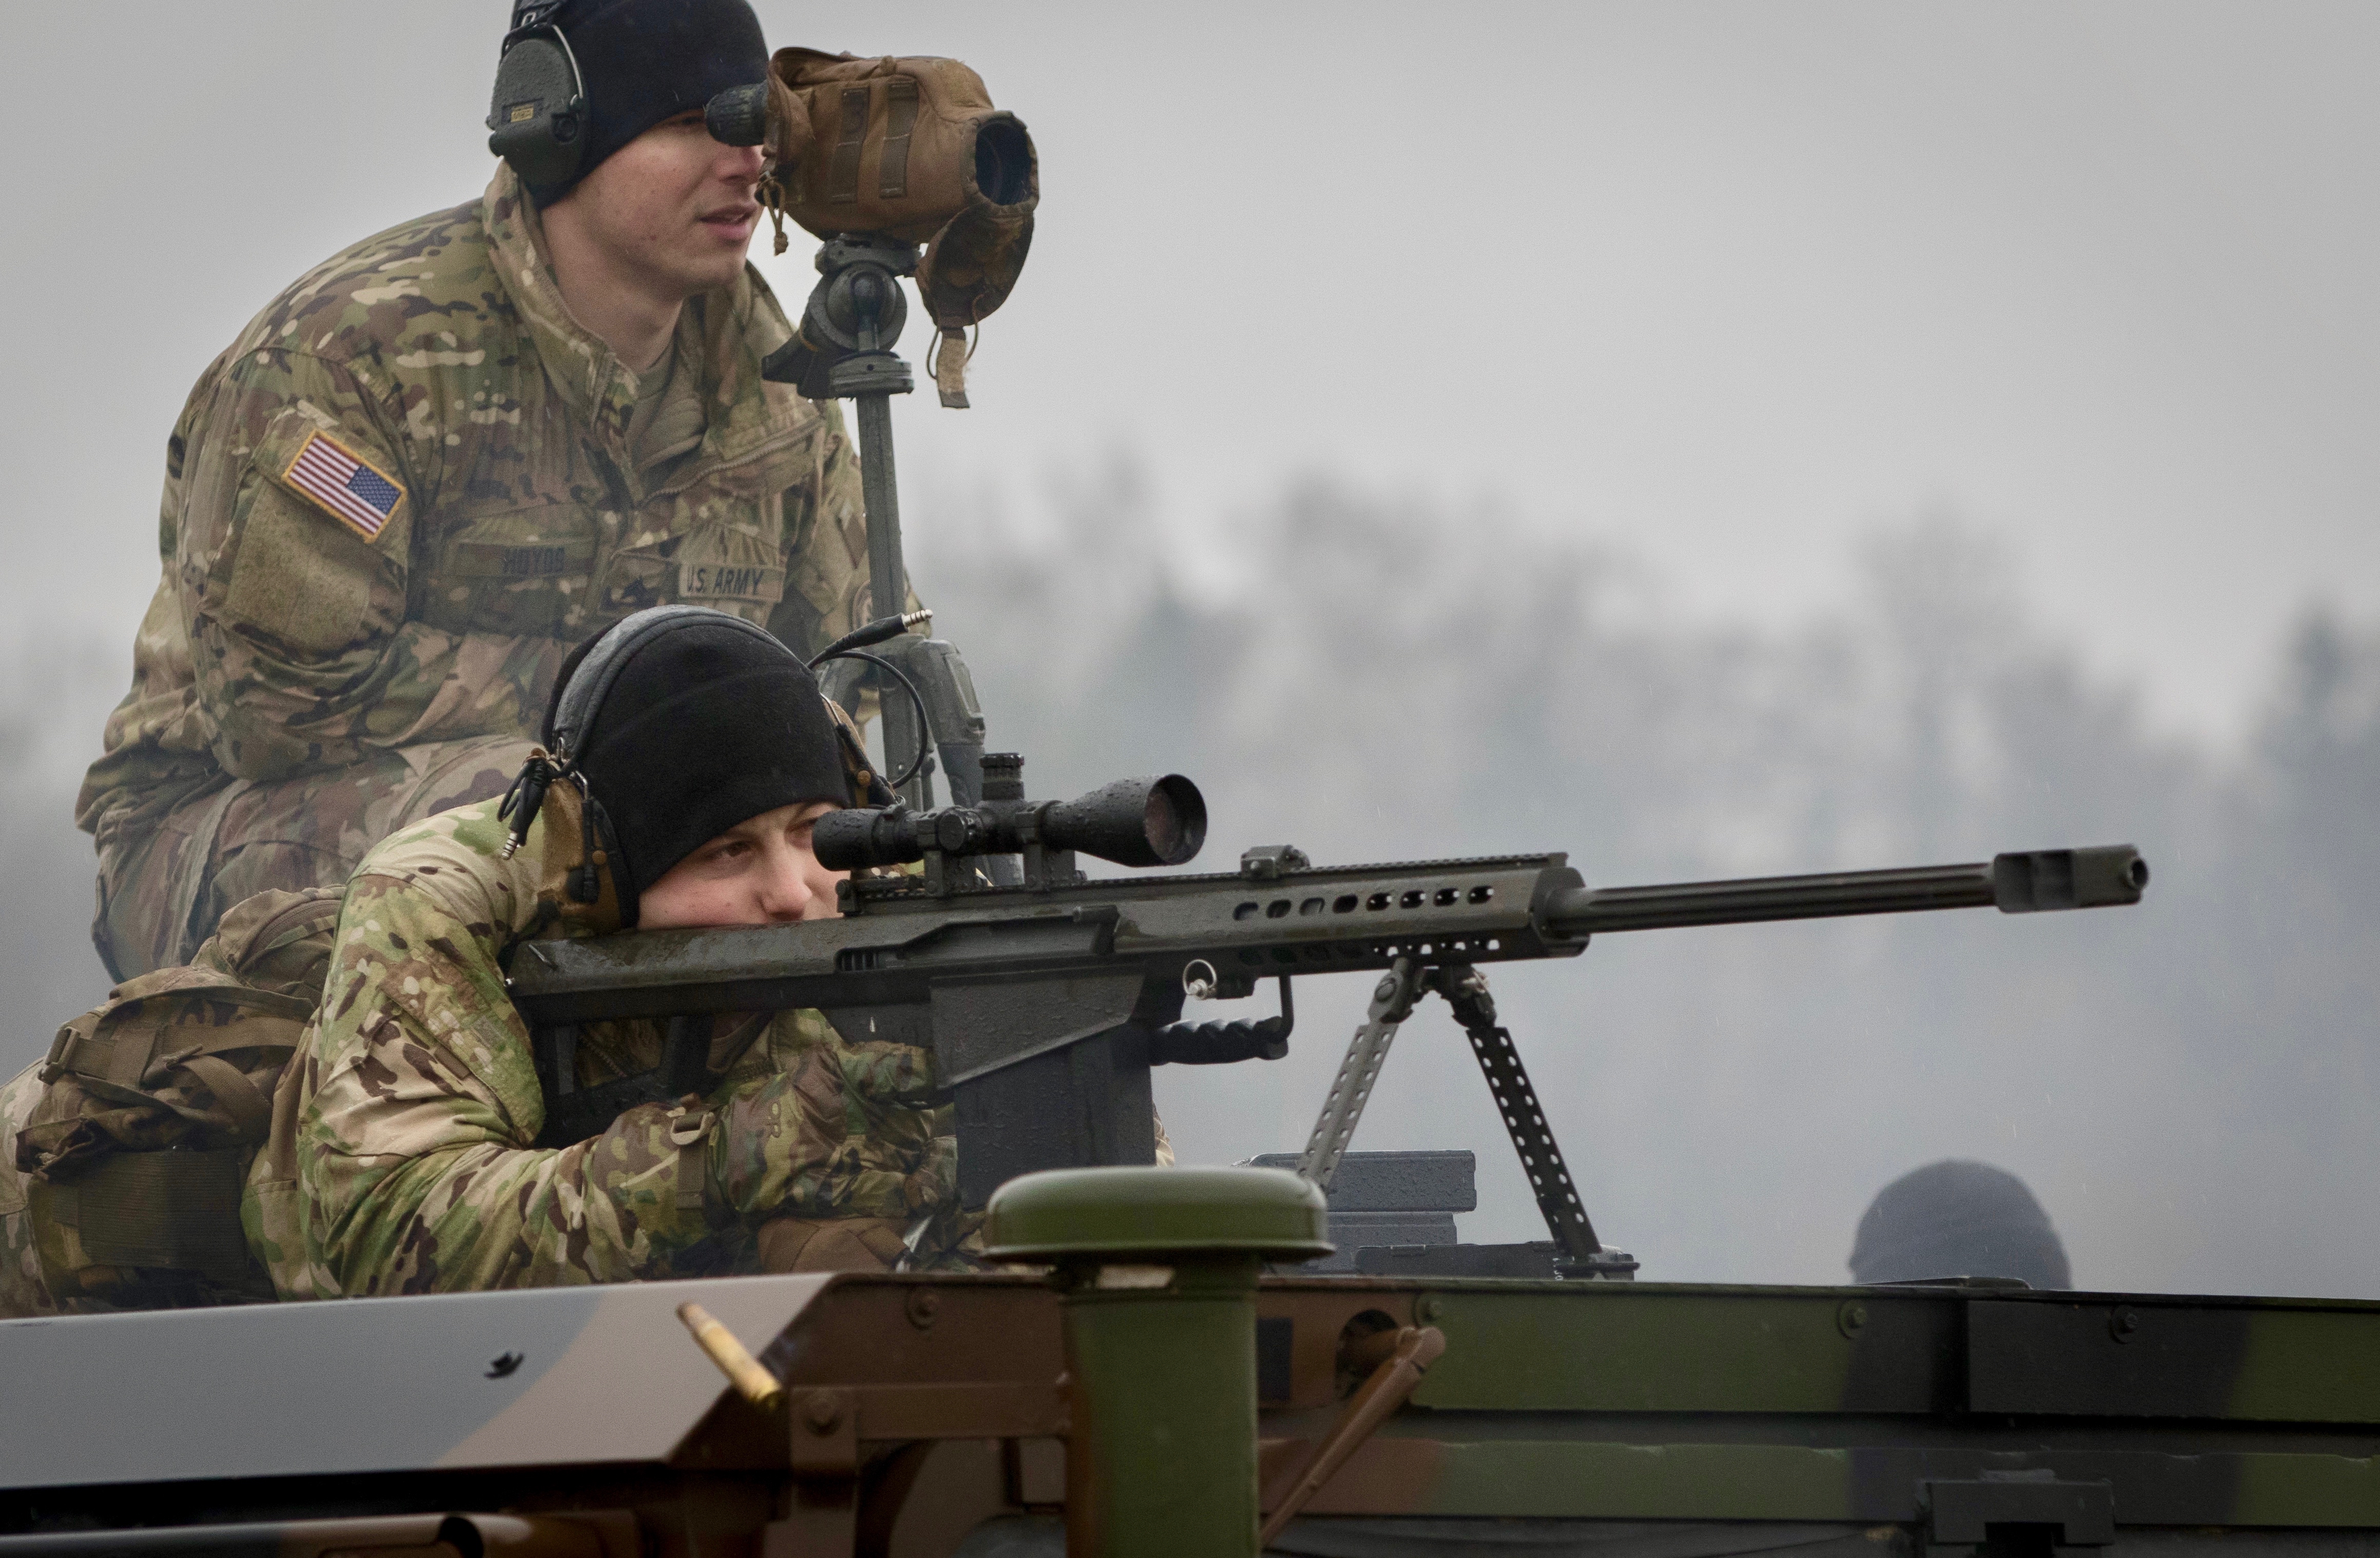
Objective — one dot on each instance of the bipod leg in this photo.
(1392, 1002)
(1577, 1252)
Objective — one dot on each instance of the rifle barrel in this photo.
(2016, 883)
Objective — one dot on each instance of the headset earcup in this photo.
(590, 669)
(537, 121)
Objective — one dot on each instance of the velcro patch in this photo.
(344, 485)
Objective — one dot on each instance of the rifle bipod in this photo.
(1577, 1252)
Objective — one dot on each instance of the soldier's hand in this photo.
(899, 1074)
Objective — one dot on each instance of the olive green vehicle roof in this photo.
(1591, 1400)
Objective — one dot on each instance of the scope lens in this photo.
(1004, 159)
(858, 837)
(1175, 819)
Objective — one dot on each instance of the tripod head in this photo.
(843, 348)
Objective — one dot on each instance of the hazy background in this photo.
(1702, 438)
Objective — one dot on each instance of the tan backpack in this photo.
(156, 1103)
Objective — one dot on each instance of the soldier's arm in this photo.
(417, 1176)
(826, 545)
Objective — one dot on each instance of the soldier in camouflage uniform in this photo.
(403, 1156)
(436, 461)
(22, 1289)
(408, 1148)
(409, 1166)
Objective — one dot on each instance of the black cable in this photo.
(868, 633)
(925, 725)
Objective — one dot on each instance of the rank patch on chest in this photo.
(350, 489)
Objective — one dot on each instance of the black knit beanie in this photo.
(686, 720)
(1958, 1219)
(643, 61)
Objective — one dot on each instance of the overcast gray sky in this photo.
(1720, 285)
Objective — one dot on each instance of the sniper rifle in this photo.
(1045, 1004)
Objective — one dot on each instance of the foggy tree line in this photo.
(2188, 1085)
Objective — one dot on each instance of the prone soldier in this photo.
(417, 1144)
(699, 752)
(445, 455)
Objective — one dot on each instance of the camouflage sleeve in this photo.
(290, 571)
(826, 545)
(416, 1173)
(23, 1290)
(845, 1131)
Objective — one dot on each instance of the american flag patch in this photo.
(358, 493)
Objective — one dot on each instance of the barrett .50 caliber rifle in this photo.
(1045, 1004)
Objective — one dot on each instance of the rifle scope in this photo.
(1150, 822)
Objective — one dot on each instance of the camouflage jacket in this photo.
(23, 1291)
(401, 1158)
(408, 488)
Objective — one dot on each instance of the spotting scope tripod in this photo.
(844, 351)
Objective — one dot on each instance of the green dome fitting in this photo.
(1156, 1212)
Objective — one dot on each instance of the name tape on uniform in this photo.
(729, 582)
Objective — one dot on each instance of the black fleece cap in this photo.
(1958, 1219)
(686, 720)
(643, 61)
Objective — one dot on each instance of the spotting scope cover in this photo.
(901, 147)
(1149, 821)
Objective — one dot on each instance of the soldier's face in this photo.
(761, 871)
(674, 208)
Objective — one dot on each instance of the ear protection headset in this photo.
(586, 677)
(538, 120)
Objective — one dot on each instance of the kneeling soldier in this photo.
(696, 754)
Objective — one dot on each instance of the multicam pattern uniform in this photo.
(401, 1160)
(301, 690)
(23, 1290)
